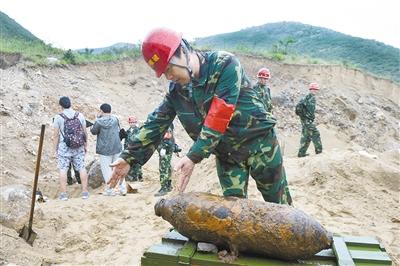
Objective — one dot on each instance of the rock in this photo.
(15, 206)
(207, 247)
(95, 175)
(26, 86)
(28, 110)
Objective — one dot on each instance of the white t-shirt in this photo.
(59, 123)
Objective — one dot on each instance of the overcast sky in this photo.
(73, 24)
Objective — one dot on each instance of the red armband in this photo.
(219, 115)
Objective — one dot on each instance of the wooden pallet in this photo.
(176, 249)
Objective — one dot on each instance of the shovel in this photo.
(26, 232)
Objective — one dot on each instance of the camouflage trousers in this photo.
(165, 170)
(266, 168)
(309, 132)
(135, 173)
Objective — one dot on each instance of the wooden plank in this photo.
(371, 256)
(343, 256)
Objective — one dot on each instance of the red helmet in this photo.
(264, 73)
(158, 47)
(314, 86)
(132, 119)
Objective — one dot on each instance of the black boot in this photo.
(168, 186)
(162, 192)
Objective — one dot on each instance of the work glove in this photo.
(163, 152)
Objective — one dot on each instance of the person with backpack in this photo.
(108, 145)
(261, 87)
(165, 150)
(219, 109)
(305, 109)
(70, 145)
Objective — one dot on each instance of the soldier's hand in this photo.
(185, 166)
(120, 170)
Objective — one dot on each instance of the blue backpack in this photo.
(74, 135)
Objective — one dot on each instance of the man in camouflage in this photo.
(261, 87)
(165, 150)
(214, 101)
(309, 131)
(135, 173)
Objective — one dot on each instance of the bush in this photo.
(278, 56)
(69, 57)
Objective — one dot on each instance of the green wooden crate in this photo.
(176, 249)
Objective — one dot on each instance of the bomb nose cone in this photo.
(158, 206)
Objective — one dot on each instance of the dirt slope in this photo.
(351, 188)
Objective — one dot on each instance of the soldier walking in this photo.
(305, 109)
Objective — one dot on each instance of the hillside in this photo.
(352, 188)
(9, 28)
(297, 38)
(115, 48)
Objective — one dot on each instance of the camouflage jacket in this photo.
(220, 75)
(130, 134)
(309, 103)
(264, 93)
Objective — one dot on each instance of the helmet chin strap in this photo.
(187, 66)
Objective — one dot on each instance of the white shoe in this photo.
(109, 192)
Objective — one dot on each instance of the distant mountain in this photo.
(373, 56)
(115, 48)
(10, 29)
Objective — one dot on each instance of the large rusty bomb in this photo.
(273, 230)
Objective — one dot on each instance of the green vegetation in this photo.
(290, 41)
(35, 51)
(9, 29)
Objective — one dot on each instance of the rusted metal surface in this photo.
(273, 230)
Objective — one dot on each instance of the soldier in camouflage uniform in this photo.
(264, 92)
(221, 112)
(165, 150)
(309, 131)
(135, 173)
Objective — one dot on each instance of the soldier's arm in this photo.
(310, 106)
(220, 112)
(143, 144)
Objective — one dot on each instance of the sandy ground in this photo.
(352, 188)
